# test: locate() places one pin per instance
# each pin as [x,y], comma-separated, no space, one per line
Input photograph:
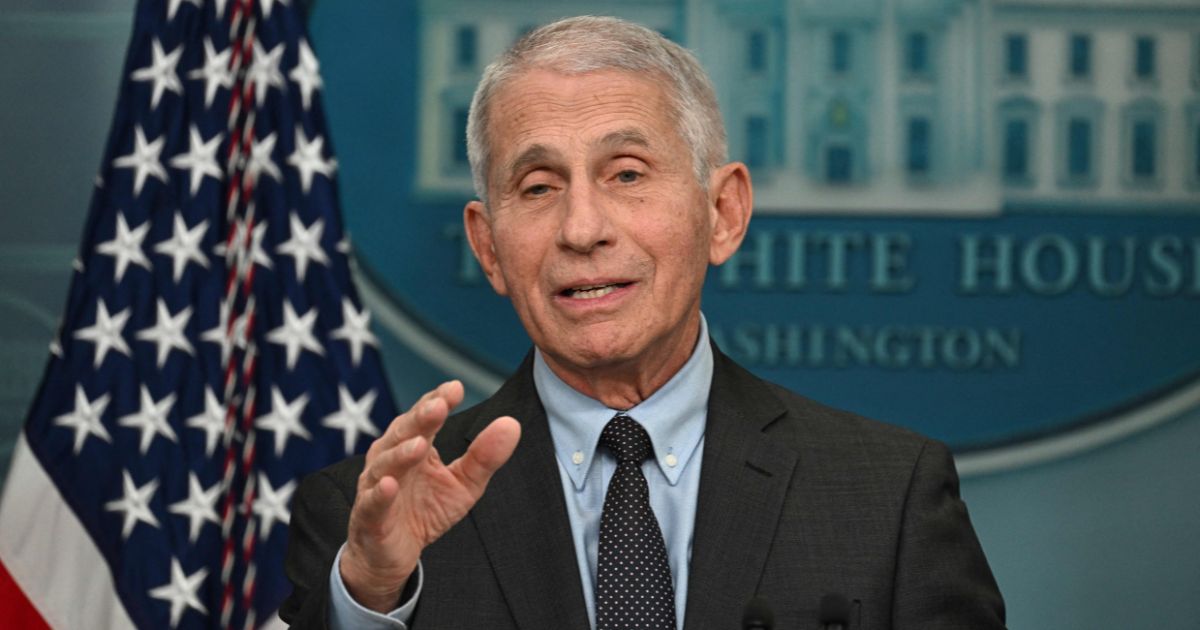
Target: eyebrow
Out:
[623,137]
[534,154]
[540,153]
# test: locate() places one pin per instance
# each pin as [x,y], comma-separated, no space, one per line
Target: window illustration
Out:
[1016,150]
[756,51]
[916,55]
[1016,56]
[1080,56]
[1145,134]
[757,141]
[839,164]
[1142,123]
[1079,122]
[1144,62]
[1018,134]
[465,48]
[917,163]
[839,52]
[459,138]
[1079,148]
[1195,149]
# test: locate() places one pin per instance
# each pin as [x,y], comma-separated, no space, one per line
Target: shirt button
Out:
[577,457]
[671,460]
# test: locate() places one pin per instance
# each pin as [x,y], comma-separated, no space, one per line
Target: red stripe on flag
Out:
[15,608]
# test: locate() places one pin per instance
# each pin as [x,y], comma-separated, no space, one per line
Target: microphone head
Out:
[835,609]
[758,615]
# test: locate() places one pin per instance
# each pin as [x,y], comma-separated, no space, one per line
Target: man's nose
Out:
[586,223]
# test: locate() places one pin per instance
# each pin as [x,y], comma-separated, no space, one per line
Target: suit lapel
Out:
[522,517]
[743,480]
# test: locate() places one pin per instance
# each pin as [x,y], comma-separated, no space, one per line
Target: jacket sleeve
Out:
[320,515]
[942,577]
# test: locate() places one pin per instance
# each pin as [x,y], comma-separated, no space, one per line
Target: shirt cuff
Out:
[345,613]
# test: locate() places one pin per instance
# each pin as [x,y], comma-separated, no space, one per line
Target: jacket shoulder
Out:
[807,424]
[846,425]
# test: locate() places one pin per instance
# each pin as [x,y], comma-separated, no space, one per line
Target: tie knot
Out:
[627,440]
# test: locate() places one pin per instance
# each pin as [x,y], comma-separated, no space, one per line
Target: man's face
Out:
[597,228]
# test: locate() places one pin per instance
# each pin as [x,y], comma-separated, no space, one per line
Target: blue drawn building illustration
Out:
[1097,102]
[895,107]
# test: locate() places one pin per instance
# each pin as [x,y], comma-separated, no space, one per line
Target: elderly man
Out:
[628,475]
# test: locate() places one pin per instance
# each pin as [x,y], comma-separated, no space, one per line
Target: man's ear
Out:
[478,226]
[731,201]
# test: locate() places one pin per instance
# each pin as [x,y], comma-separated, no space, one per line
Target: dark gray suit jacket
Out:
[797,500]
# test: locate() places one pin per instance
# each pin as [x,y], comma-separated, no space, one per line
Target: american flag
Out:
[213,348]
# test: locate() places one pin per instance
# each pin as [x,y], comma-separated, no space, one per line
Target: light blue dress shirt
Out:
[674,417]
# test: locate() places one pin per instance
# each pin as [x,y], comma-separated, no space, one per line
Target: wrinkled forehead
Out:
[540,111]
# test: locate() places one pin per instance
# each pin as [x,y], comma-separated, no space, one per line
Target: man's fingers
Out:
[396,461]
[452,392]
[374,501]
[487,453]
[424,418]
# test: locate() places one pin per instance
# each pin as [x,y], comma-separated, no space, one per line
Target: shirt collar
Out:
[674,416]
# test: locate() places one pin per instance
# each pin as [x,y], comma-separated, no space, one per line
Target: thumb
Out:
[487,453]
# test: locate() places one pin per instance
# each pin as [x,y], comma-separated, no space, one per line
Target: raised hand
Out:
[407,497]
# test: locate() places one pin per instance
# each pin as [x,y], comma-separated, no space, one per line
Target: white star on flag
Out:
[304,244]
[126,247]
[201,158]
[173,6]
[198,507]
[307,159]
[241,325]
[264,69]
[296,333]
[212,421]
[215,71]
[184,246]
[85,418]
[258,255]
[355,330]
[353,417]
[307,73]
[144,160]
[106,332]
[135,504]
[167,331]
[285,419]
[151,419]
[181,591]
[219,334]
[271,504]
[161,72]
[260,159]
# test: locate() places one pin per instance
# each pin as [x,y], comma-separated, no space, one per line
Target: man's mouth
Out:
[592,292]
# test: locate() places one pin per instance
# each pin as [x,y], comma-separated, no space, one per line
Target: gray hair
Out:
[580,45]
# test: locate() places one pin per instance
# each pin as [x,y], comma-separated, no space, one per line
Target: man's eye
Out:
[537,189]
[628,177]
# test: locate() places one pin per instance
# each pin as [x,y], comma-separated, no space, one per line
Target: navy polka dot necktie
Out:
[633,587]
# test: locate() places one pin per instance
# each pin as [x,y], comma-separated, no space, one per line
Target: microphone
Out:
[835,612]
[757,615]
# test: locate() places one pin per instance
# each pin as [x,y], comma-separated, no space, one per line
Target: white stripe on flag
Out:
[49,554]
